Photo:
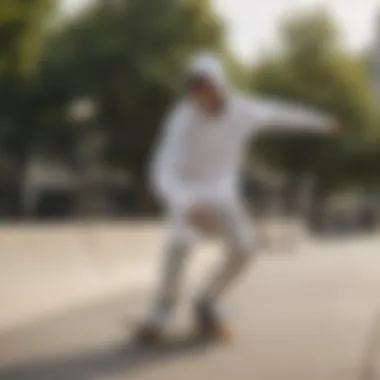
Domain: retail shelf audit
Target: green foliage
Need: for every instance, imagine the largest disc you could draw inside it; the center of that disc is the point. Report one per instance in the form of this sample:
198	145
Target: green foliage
315	69
128	55
23	27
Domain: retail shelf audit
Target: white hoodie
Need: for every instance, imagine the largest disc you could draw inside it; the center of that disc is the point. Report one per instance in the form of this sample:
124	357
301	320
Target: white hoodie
199	157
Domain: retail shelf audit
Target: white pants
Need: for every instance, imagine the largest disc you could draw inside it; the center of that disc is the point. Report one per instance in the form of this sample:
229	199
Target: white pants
233	227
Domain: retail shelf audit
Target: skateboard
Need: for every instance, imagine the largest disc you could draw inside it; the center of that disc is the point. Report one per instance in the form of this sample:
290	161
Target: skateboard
149	336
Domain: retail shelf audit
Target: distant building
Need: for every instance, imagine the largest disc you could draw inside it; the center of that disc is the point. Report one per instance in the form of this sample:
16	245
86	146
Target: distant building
49	189
53	189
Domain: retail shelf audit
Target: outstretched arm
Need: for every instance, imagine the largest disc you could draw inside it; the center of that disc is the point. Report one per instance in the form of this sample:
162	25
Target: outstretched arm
283	116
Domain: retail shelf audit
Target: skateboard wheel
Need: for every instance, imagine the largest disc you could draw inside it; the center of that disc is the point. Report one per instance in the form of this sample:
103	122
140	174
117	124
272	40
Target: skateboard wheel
149	336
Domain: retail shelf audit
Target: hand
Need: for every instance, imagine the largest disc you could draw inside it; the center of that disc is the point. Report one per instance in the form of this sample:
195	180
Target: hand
202	218
335	128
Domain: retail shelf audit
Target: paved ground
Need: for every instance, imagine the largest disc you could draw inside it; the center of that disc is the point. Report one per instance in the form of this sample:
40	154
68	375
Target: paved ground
69	294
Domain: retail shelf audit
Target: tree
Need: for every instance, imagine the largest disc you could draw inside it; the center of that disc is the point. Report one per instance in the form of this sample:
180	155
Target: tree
23	26
128	55
314	68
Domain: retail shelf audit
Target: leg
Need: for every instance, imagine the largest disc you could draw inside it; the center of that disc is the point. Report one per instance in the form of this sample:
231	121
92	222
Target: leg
234	226
170	282
175	256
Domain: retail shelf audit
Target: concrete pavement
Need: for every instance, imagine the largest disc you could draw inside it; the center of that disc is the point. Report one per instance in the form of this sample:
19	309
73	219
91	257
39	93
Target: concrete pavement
69	292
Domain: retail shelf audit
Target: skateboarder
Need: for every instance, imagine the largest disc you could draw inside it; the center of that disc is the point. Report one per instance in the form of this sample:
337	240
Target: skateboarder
195	173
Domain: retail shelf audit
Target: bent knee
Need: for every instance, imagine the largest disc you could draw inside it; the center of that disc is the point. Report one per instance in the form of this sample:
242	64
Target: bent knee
241	251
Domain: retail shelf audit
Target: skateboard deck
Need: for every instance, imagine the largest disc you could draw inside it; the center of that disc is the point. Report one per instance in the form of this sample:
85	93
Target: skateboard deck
179	337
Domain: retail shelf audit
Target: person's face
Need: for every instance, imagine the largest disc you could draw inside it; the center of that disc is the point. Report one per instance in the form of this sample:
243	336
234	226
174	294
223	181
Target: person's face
206	95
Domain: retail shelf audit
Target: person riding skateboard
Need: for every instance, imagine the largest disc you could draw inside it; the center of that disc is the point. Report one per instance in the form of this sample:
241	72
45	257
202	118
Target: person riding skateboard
195	173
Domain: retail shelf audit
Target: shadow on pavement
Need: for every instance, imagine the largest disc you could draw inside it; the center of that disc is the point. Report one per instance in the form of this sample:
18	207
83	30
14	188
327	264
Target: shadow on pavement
123	359
105	354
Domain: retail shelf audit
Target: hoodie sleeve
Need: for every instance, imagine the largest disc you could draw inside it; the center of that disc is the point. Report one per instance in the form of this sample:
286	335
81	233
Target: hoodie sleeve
282	116
163	174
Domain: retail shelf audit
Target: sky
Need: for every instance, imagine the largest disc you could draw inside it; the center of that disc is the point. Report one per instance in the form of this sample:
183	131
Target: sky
252	24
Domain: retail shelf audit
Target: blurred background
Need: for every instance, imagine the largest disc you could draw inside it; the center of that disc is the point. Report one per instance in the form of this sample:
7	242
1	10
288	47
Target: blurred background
84	85
83	88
